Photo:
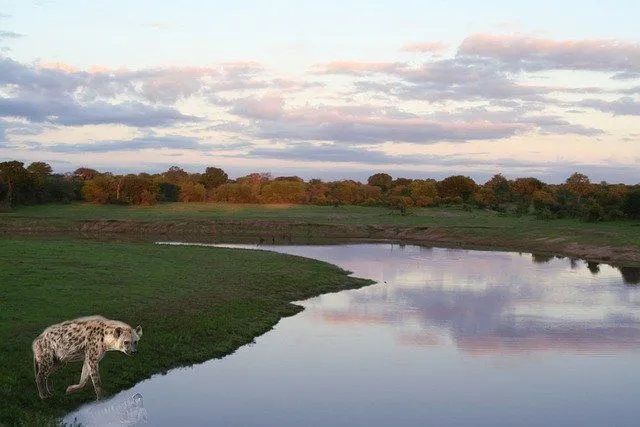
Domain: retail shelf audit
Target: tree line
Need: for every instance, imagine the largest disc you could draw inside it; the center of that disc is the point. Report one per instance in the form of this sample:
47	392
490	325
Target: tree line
577	197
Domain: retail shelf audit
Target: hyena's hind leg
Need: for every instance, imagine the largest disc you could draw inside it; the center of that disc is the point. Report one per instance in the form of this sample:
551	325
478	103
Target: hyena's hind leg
84	377
43	366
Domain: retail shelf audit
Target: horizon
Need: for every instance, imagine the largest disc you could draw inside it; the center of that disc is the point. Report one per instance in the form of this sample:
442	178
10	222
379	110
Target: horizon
325	90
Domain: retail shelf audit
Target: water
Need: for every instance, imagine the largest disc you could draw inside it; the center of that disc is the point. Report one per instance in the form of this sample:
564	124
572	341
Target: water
447	337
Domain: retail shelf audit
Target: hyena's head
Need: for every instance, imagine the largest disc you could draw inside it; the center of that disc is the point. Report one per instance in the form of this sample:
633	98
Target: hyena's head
127	339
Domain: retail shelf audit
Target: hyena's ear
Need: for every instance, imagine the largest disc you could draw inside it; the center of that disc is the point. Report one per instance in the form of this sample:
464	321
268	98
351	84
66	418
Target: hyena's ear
139	331
117	332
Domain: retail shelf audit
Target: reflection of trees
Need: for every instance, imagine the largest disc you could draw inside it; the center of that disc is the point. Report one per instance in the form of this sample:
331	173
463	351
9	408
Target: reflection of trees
593	267
541	258
630	275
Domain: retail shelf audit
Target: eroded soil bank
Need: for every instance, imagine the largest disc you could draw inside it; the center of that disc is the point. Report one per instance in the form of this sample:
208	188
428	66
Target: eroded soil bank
269	232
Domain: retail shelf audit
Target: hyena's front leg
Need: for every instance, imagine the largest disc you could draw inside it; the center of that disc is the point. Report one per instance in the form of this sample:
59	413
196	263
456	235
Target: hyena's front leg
43	370
54	367
84	377
95	378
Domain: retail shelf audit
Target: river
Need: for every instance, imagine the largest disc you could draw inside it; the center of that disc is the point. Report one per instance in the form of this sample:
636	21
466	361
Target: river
447	337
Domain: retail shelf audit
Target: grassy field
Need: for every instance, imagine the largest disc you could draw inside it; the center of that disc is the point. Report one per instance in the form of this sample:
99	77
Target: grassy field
194	304
486	225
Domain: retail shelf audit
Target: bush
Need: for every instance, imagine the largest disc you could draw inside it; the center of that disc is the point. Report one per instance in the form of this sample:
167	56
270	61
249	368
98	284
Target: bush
631	204
545	214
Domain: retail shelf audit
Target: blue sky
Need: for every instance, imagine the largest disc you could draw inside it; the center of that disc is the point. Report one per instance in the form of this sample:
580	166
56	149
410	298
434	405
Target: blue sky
328	89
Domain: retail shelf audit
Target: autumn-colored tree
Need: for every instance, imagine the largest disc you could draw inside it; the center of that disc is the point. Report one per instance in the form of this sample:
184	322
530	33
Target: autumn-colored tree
345	192
191	192
232	193
318	192
100	189
525	187
423	192
457	186
284	191
254	182
368	194
499	186
382	180
213	177
485	197
138	190
579	185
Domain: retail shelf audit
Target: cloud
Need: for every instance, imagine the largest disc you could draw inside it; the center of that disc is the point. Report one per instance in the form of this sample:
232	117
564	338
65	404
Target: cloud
425	47
537	54
151	142
268	107
376	124
10	35
3	134
358	68
147	142
67	111
363	124
625	106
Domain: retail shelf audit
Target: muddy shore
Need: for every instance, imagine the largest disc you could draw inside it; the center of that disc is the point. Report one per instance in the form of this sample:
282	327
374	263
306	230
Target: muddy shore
270	232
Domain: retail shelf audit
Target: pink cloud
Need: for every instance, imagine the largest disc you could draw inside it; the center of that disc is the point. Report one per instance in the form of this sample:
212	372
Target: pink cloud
534	54
359	68
425	47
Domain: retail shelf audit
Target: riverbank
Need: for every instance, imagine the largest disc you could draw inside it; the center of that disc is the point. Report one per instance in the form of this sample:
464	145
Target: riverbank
194	303
616	243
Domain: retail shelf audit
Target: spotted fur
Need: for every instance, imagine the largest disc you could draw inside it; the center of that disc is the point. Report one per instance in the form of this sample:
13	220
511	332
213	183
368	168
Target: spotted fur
85	338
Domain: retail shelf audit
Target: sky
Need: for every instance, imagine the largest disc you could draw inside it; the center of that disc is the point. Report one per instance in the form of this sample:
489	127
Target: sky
330	89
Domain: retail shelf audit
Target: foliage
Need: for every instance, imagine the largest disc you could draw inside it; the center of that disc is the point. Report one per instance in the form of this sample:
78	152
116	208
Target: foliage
576	198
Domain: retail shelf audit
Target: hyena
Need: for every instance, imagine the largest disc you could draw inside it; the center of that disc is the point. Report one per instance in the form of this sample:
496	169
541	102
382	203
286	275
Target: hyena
86	338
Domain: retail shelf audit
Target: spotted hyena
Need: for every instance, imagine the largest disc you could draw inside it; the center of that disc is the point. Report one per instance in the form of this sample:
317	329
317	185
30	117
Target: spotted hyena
86	338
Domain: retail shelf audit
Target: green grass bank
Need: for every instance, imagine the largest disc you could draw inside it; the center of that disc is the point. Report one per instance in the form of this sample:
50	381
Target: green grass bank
612	242
194	304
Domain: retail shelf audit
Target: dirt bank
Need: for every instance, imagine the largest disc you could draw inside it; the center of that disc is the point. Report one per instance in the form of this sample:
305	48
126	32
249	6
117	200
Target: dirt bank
265	231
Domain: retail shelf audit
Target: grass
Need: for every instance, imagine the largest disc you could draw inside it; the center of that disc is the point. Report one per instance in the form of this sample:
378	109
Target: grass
486	225
194	304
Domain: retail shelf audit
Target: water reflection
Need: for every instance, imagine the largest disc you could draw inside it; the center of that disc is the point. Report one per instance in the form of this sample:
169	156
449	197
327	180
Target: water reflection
486	302
631	275
558	338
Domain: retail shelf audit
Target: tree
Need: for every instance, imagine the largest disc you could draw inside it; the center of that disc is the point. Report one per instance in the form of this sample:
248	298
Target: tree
381	180
525	187
12	174
345	192
579	185
213	177
85	173
318	192
191	192
499	185
40	169
631	204
138	190
100	189
175	175
457	186
423	192
281	191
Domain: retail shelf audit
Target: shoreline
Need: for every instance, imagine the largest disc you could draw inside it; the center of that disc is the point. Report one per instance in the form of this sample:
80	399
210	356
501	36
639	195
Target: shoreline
292	232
